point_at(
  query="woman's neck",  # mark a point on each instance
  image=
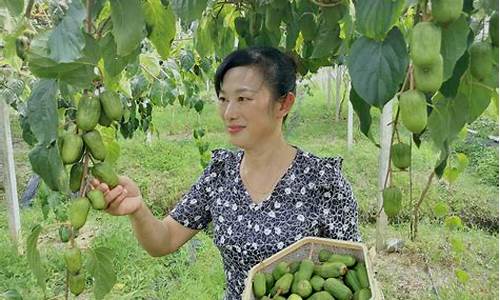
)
(267, 156)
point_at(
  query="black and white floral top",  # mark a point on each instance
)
(311, 199)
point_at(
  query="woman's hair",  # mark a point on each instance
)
(278, 69)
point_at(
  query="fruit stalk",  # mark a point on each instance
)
(415, 211)
(410, 168)
(83, 184)
(89, 16)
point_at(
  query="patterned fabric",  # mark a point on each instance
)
(311, 199)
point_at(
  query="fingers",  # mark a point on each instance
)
(112, 195)
(103, 187)
(117, 201)
(94, 182)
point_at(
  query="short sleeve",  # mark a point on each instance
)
(193, 210)
(338, 206)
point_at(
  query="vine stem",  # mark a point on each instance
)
(429, 272)
(147, 71)
(29, 7)
(89, 16)
(83, 184)
(415, 212)
(410, 169)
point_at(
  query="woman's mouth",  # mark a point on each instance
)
(234, 129)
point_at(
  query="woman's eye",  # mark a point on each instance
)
(222, 99)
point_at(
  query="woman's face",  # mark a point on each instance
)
(245, 106)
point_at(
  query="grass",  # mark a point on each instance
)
(166, 168)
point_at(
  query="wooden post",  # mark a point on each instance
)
(9, 174)
(328, 75)
(350, 120)
(338, 81)
(385, 144)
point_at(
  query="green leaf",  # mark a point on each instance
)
(12, 294)
(225, 44)
(327, 40)
(476, 94)
(453, 222)
(102, 269)
(453, 44)
(449, 88)
(79, 73)
(97, 8)
(33, 257)
(187, 60)
(125, 86)
(47, 163)
(189, 10)
(457, 245)
(128, 25)
(362, 109)
(462, 276)
(9, 51)
(377, 69)
(374, 18)
(443, 160)
(440, 209)
(162, 20)
(42, 111)
(15, 7)
(113, 63)
(203, 42)
(463, 161)
(198, 106)
(67, 40)
(451, 174)
(292, 33)
(112, 147)
(151, 66)
(447, 119)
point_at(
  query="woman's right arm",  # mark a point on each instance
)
(157, 237)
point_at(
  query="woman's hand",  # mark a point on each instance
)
(123, 199)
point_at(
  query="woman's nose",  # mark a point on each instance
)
(231, 110)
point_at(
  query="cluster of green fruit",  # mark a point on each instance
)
(73, 148)
(427, 61)
(336, 276)
(425, 52)
(76, 278)
(392, 195)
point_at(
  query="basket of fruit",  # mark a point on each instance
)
(314, 268)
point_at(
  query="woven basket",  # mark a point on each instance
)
(309, 247)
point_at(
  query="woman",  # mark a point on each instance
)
(261, 198)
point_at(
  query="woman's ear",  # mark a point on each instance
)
(285, 105)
